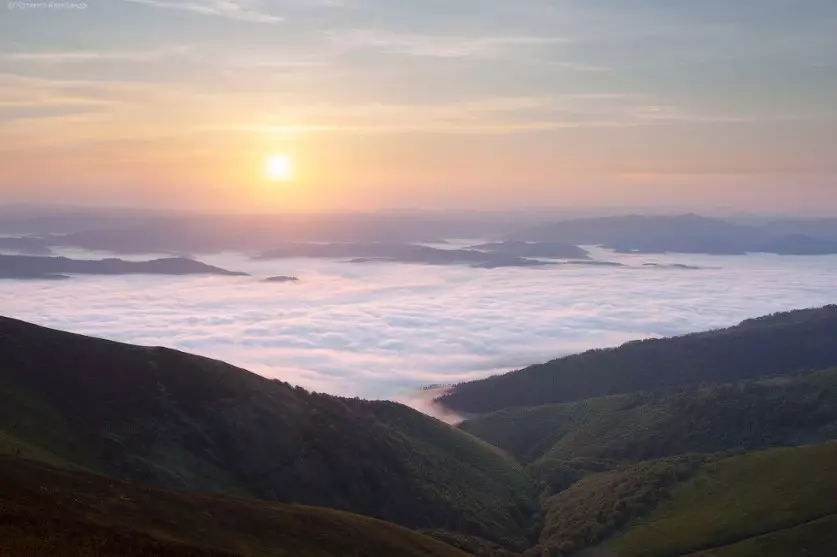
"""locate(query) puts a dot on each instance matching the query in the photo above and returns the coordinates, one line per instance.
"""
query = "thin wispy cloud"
(504, 115)
(231, 9)
(708, 87)
(82, 56)
(437, 46)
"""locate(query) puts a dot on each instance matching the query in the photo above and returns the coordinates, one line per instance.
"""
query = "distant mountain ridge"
(26, 266)
(401, 253)
(137, 231)
(689, 233)
(603, 230)
(350, 249)
(552, 250)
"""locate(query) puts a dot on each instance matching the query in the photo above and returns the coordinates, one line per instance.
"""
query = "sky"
(483, 104)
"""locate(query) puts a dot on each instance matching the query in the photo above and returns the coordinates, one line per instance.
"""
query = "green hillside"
(645, 474)
(593, 509)
(179, 421)
(817, 538)
(773, 345)
(563, 441)
(61, 513)
(734, 507)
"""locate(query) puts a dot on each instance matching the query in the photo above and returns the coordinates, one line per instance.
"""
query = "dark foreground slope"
(179, 421)
(777, 344)
(56, 512)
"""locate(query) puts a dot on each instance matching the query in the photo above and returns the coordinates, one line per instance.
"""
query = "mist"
(384, 330)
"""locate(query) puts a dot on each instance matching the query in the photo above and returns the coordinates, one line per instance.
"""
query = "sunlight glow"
(279, 168)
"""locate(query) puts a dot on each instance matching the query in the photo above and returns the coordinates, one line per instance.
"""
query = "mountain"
(712, 245)
(824, 229)
(772, 503)
(25, 266)
(689, 234)
(633, 229)
(25, 245)
(225, 463)
(560, 443)
(769, 504)
(798, 244)
(282, 279)
(178, 421)
(593, 509)
(553, 250)
(123, 230)
(70, 513)
(776, 344)
(401, 253)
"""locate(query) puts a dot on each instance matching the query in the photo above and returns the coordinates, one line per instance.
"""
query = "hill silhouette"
(777, 344)
(179, 421)
(67, 513)
(688, 234)
(222, 462)
(30, 266)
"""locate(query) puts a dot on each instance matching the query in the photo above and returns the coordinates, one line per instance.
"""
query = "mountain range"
(718, 443)
(37, 267)
(771, 345)
(158, 416)
(690, 234)
(519, 234)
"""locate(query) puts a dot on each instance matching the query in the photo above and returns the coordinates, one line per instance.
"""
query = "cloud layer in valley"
(384, 330)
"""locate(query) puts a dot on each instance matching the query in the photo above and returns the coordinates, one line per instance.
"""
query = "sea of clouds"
(384, 330)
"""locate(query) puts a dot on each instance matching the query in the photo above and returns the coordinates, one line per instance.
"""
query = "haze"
(386, 330)
(482, 104)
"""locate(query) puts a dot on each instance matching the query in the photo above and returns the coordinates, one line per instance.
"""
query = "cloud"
(487, 116)
(381, 331)
(80, 56)
(437, 46)
(241, 10)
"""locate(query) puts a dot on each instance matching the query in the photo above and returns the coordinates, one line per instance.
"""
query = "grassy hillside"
(638, 473)
(595, 507)
(812, 539)
(732, 508)
(773, 345)
(61, 513)
(179, 421)
(563, 441)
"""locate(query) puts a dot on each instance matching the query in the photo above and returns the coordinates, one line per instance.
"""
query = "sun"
(279, 168)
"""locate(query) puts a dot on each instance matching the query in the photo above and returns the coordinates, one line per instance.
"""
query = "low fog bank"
(384, 330)
(424, 400)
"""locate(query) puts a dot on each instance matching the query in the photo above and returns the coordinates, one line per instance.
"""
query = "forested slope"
(776, 344)
(786, 497)
(562, 442)
(59, 513)
(179, 421)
